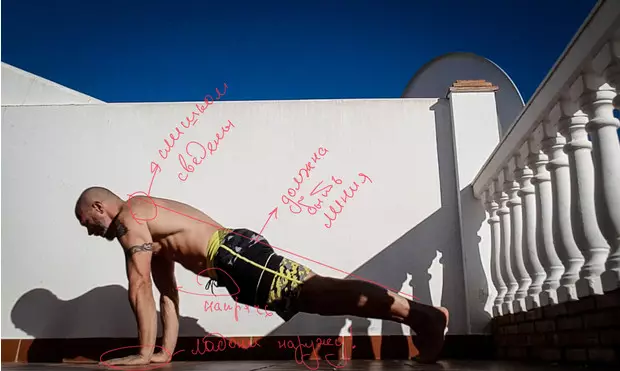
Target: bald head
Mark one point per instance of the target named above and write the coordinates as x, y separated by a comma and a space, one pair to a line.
92, 194
96, 208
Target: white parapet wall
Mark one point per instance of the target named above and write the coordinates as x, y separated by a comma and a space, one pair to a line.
23, 88
401, 228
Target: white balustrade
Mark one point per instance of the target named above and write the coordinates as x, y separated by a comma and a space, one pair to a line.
496, 270
501, 197
544, 222
529, 249
597, 98
516, 235
585, 226
558, 166
551, 188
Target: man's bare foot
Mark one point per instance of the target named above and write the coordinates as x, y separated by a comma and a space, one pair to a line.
430, 336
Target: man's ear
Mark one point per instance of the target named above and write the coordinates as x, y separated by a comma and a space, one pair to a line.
98, 206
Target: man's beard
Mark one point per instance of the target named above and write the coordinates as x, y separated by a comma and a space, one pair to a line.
103, 230
115, 230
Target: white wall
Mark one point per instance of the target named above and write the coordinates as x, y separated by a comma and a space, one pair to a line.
59, 282
472, 148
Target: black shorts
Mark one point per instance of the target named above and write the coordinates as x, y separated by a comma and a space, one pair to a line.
256, 275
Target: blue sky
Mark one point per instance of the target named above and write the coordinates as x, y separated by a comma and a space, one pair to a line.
135, 50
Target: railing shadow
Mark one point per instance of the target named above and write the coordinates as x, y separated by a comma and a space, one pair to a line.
435, 245
472, 215
103, 312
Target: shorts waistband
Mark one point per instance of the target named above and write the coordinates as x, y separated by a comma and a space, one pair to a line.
215, 241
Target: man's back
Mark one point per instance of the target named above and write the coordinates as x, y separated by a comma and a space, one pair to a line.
180, 232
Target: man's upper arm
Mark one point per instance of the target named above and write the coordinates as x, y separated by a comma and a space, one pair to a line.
163, 276
138, 246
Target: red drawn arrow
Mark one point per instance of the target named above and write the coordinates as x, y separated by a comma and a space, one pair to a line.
154, 167
273, 213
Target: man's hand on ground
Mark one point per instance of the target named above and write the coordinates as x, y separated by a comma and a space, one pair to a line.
131, 360
161, 357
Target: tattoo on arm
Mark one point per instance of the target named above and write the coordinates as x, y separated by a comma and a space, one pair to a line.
138, 248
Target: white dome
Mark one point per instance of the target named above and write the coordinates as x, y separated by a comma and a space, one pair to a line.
435, 78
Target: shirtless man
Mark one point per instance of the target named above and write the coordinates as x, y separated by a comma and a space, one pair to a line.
155, 233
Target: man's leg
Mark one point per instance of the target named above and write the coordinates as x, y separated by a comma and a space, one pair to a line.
335, 297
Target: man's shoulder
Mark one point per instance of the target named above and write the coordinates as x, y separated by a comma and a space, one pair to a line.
139, 208
139, 199
147, 209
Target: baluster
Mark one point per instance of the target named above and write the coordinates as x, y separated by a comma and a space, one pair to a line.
603, 127
516, 234
504, 217
553, 146
586, 232
612, 71
544, 222
530, 252
496, 275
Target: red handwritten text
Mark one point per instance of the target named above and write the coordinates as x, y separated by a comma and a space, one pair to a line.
199, 150
344, 199
213, 345
213, 306
299, 352
296, 207
190, 121
306, 169
222, 344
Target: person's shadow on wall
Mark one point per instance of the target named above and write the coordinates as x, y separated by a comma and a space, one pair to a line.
441, 239
103, 312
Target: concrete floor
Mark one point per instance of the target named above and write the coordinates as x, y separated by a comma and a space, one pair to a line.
357, 365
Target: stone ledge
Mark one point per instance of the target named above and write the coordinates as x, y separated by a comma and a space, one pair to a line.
472, 86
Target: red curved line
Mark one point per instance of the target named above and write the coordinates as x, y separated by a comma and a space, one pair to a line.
200, 284
290, 252
131, 211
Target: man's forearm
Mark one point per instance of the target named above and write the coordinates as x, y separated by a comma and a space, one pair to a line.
143, 305
169, 306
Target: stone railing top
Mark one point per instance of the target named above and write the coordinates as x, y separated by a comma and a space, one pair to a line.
596, 30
